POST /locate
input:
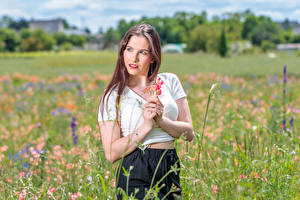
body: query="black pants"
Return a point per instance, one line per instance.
(143, 165)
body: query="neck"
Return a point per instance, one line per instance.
(138, 81)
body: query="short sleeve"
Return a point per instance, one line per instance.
(177, 90)
(109, 109)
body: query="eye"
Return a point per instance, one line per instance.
(129, 49)
(144, 52)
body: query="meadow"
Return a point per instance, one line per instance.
(50, 145)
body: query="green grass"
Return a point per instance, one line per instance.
(245, 153)
(53, 64)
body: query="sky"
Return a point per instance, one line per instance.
(106, 13)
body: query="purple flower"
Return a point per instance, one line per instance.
(291, 121)
(73, 127)
(284, 122)
(284, 74)
(90, 179)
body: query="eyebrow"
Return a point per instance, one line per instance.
(140, 49)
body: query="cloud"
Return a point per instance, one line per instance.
(16, 13)
(55, 5)
(275, 15)
(295, 14)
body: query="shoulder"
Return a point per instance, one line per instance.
(169, 77)
(111, 96)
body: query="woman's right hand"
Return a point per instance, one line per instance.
(149, 111)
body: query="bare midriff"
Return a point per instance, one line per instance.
(162, 145)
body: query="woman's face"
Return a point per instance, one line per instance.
(137, 56)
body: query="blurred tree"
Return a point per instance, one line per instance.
(122, 27)
(77, 40)
(111, 37)
(248, 26)
(5, 21)
(286, 24)
(296, 38)
(67, 46)
(223, 44)
(36, 40)
(198, 38)
(67, 25)
(18, 24)
(31, 43)
(1, 45)
(60, 38)
(87, 30)
(265, 30)
(267, 45)
(10, 40)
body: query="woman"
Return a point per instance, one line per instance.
(140, 128)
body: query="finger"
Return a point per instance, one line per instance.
(151, 99)
(150, 106)
(159, 102)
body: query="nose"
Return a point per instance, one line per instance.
(136, 57)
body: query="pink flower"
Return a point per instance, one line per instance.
(215, 188)
(76, 195)
(154, 89)
(242, 176)
(50, 191)
(4, 148)
(22, 194)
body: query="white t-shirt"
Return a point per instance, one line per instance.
(131, 105)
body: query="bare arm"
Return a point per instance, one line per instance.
(115, 146)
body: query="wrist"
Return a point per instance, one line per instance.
(148, 125)
(159, 120)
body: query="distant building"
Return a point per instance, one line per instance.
(48, 26)
(95, 43)
(294, 25)
(240, 46)
(293, 46)
(76, 32)
(173, 48)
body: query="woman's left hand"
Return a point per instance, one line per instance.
(156, 106)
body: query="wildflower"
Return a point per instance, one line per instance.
(215, 188)
(291, 121)
(25, 165)
(4, 148)
(73, 127)
(50, 191)
(284, 123)
(242, 176)
(284, 74)
(154, 89)
(90, 179)
(22, 194)
(76, 195)
(113, 184)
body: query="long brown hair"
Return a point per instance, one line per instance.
(120, 76)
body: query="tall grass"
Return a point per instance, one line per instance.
(245, 153)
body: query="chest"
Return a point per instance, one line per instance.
(132, 105)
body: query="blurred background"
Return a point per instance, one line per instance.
(211, 29)
(57, 56)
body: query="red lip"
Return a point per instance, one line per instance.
(134, 66)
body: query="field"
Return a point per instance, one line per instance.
(50, 144)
